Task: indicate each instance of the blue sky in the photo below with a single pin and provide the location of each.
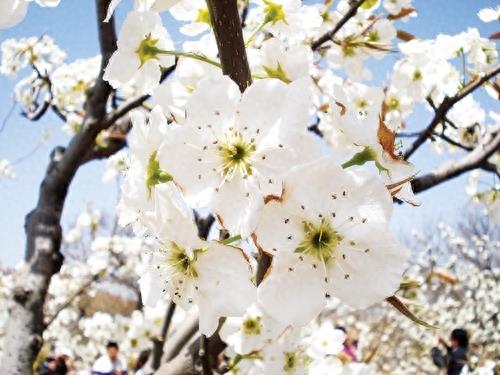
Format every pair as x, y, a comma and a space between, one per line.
73, 26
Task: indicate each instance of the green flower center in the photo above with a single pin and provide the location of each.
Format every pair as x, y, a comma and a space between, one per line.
373, 36
273, 13
417, 75
294, 360
393, 103
181, 262
134, 343
320, 241
148, 49
154, 174
349, 50
236, 155
251, 326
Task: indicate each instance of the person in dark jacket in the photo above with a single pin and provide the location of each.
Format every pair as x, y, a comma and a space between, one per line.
454, 358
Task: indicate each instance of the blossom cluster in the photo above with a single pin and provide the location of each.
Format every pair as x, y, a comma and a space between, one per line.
249, 160
299, 172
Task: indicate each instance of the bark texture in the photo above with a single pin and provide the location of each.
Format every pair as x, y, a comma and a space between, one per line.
43, 229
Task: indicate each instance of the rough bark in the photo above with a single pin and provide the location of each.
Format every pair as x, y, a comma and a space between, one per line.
43, 230
478, 158
226, 25
159, 342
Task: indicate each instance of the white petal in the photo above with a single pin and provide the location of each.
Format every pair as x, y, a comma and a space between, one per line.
147, 78
151, 287
190, 156
225, 286
121, 68
237, 204
373, 275
12, 12
214, 102
294, 291
279, 229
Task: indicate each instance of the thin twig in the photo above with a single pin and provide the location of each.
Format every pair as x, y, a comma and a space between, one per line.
444, 107
330, 34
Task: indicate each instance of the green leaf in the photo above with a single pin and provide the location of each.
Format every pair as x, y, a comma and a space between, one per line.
362, 157
278, 73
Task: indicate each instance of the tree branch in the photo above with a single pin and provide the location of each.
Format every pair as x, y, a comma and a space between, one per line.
330, 34
226, 25
159, 342
474, 159
43, 229
444, 107
70, 300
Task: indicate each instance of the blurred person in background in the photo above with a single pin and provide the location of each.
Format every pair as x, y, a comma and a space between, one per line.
110, 363
350, 346
454, 358
57, 365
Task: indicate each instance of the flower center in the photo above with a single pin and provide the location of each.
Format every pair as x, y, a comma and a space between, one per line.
295, 360
148, 49
320, 241
393, 103
236, 155
274, 13
417, 75
180, 261
251, 326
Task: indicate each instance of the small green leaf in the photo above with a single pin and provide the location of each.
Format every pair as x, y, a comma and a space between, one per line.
278, 73
362, 157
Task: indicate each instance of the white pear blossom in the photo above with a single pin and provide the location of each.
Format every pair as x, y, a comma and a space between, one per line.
287, 18
194, 272
489, 14
142, 6
41, 52
143, 175
286, 356
325, 341
7, 169
195, 12
12, 12
139, 56
251, 332
327, 234
172, 95
115, 165
276, 60
232, 149
396, 6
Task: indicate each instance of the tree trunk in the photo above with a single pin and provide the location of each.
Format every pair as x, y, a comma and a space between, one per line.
25, 325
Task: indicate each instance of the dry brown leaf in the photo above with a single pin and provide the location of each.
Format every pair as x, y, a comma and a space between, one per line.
402, 13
